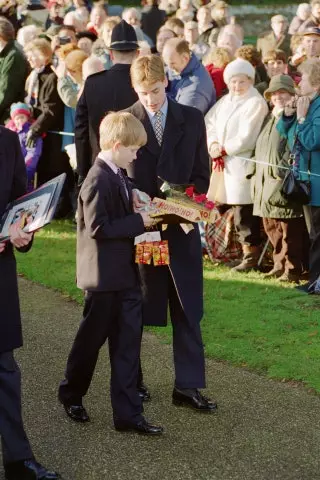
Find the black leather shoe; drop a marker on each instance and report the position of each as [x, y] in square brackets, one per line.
[194, 399]
[144, 393]
[142, 427]
[27, 470]
[76, 412]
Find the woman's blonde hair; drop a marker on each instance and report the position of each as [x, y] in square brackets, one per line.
[121, 127]
[75, 59]
[218, 56]
[42, 46]
[311, 68]
[147, 70]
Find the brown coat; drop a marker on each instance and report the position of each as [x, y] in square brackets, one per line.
[268, 41]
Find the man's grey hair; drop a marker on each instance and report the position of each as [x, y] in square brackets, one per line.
[136, 11]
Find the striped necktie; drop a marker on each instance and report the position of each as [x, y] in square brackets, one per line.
[158, 129]
[123, 182]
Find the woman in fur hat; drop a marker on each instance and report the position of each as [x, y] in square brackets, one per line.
[233, 125]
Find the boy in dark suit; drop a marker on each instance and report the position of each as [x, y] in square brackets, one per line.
[107, 273]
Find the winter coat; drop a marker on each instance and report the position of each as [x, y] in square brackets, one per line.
[267, 180]
[182, 159]
[194, 87]
[295, 24]
[13, 74]
[235, 123]
[308, 134]
[31, 155]
[216, 75]
[311, 22]
[268, 41]
[49, 116]
[13, 182]
[152, 18]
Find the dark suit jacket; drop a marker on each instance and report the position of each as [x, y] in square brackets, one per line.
[182, 159]
[106, 228]
[108, 91]
[13, 184]
[152, 18]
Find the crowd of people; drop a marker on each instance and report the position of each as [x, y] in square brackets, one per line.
[196, 106]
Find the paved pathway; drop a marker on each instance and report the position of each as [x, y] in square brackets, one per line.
[264, 430]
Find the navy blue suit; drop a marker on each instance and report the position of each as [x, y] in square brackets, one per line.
[113, 302]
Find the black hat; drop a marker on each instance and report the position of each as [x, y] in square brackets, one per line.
[87, 34]
[123, 37]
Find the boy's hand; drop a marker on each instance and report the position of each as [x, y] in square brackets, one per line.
[18, 237]
[2, 246]
[140, 199]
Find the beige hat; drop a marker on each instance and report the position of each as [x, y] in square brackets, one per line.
[278, 19]
[238, 67]
[280, 82]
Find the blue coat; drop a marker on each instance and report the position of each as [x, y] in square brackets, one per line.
[308, 134]
[195, 87]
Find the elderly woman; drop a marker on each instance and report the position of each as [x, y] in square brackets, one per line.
[283, 222]
[233, 125]
[300, 124]
[48, 112]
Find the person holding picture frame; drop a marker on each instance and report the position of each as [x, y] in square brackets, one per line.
[18, 459]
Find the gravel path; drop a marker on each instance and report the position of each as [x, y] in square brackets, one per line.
[264, 430]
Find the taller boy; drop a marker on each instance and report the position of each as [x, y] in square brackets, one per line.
[176, 151]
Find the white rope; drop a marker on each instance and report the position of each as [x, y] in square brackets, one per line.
[277, 166]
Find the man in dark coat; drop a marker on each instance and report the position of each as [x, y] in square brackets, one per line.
[152, 18]
[13, 70]
[103, 92]
[176, 151]
[18, 459]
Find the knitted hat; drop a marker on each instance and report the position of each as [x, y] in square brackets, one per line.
[279, 82]
[19, 108]
[238, 67]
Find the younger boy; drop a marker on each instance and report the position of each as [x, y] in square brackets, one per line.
[106, 271]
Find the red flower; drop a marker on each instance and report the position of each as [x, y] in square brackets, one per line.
[190, 192]
[200, 198]
[209, 205]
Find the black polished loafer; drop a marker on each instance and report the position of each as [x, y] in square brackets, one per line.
[142, 427]
[194, 399]
[144, 393]
[76, 412]
[27, 469]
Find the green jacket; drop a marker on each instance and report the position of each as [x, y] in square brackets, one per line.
[13, 74]
[271, 148]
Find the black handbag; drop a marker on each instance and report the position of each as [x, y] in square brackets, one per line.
[295, 190]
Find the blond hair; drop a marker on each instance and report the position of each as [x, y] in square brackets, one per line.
[75, 59]
[147, 70]
[42, 46]
[311, 68]
[121, 127]
[218, 56]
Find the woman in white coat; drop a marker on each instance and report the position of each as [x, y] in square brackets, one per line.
[233, 125]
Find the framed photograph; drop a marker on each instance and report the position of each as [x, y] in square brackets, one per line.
[34, 210]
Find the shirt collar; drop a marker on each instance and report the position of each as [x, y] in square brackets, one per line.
[163, 110]
[105, 155]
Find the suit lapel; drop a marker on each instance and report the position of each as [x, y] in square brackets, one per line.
[173, 131]
[116, 179]
[139, 111]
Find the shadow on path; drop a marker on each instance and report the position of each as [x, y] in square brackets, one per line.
[263, 430]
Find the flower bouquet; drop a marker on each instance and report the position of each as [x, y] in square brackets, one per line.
[183, 205]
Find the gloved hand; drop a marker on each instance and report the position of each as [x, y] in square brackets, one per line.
[31, 139]
[218, 164]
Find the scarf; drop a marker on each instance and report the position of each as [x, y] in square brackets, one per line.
[33, 87]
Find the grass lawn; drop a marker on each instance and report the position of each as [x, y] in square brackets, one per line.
[248, 321]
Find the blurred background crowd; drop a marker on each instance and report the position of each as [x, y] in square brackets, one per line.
[49, 48]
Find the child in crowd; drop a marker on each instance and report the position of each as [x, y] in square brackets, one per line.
[107, 225]
[20, 123]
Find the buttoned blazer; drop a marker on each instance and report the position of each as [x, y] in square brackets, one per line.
[106, 228]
